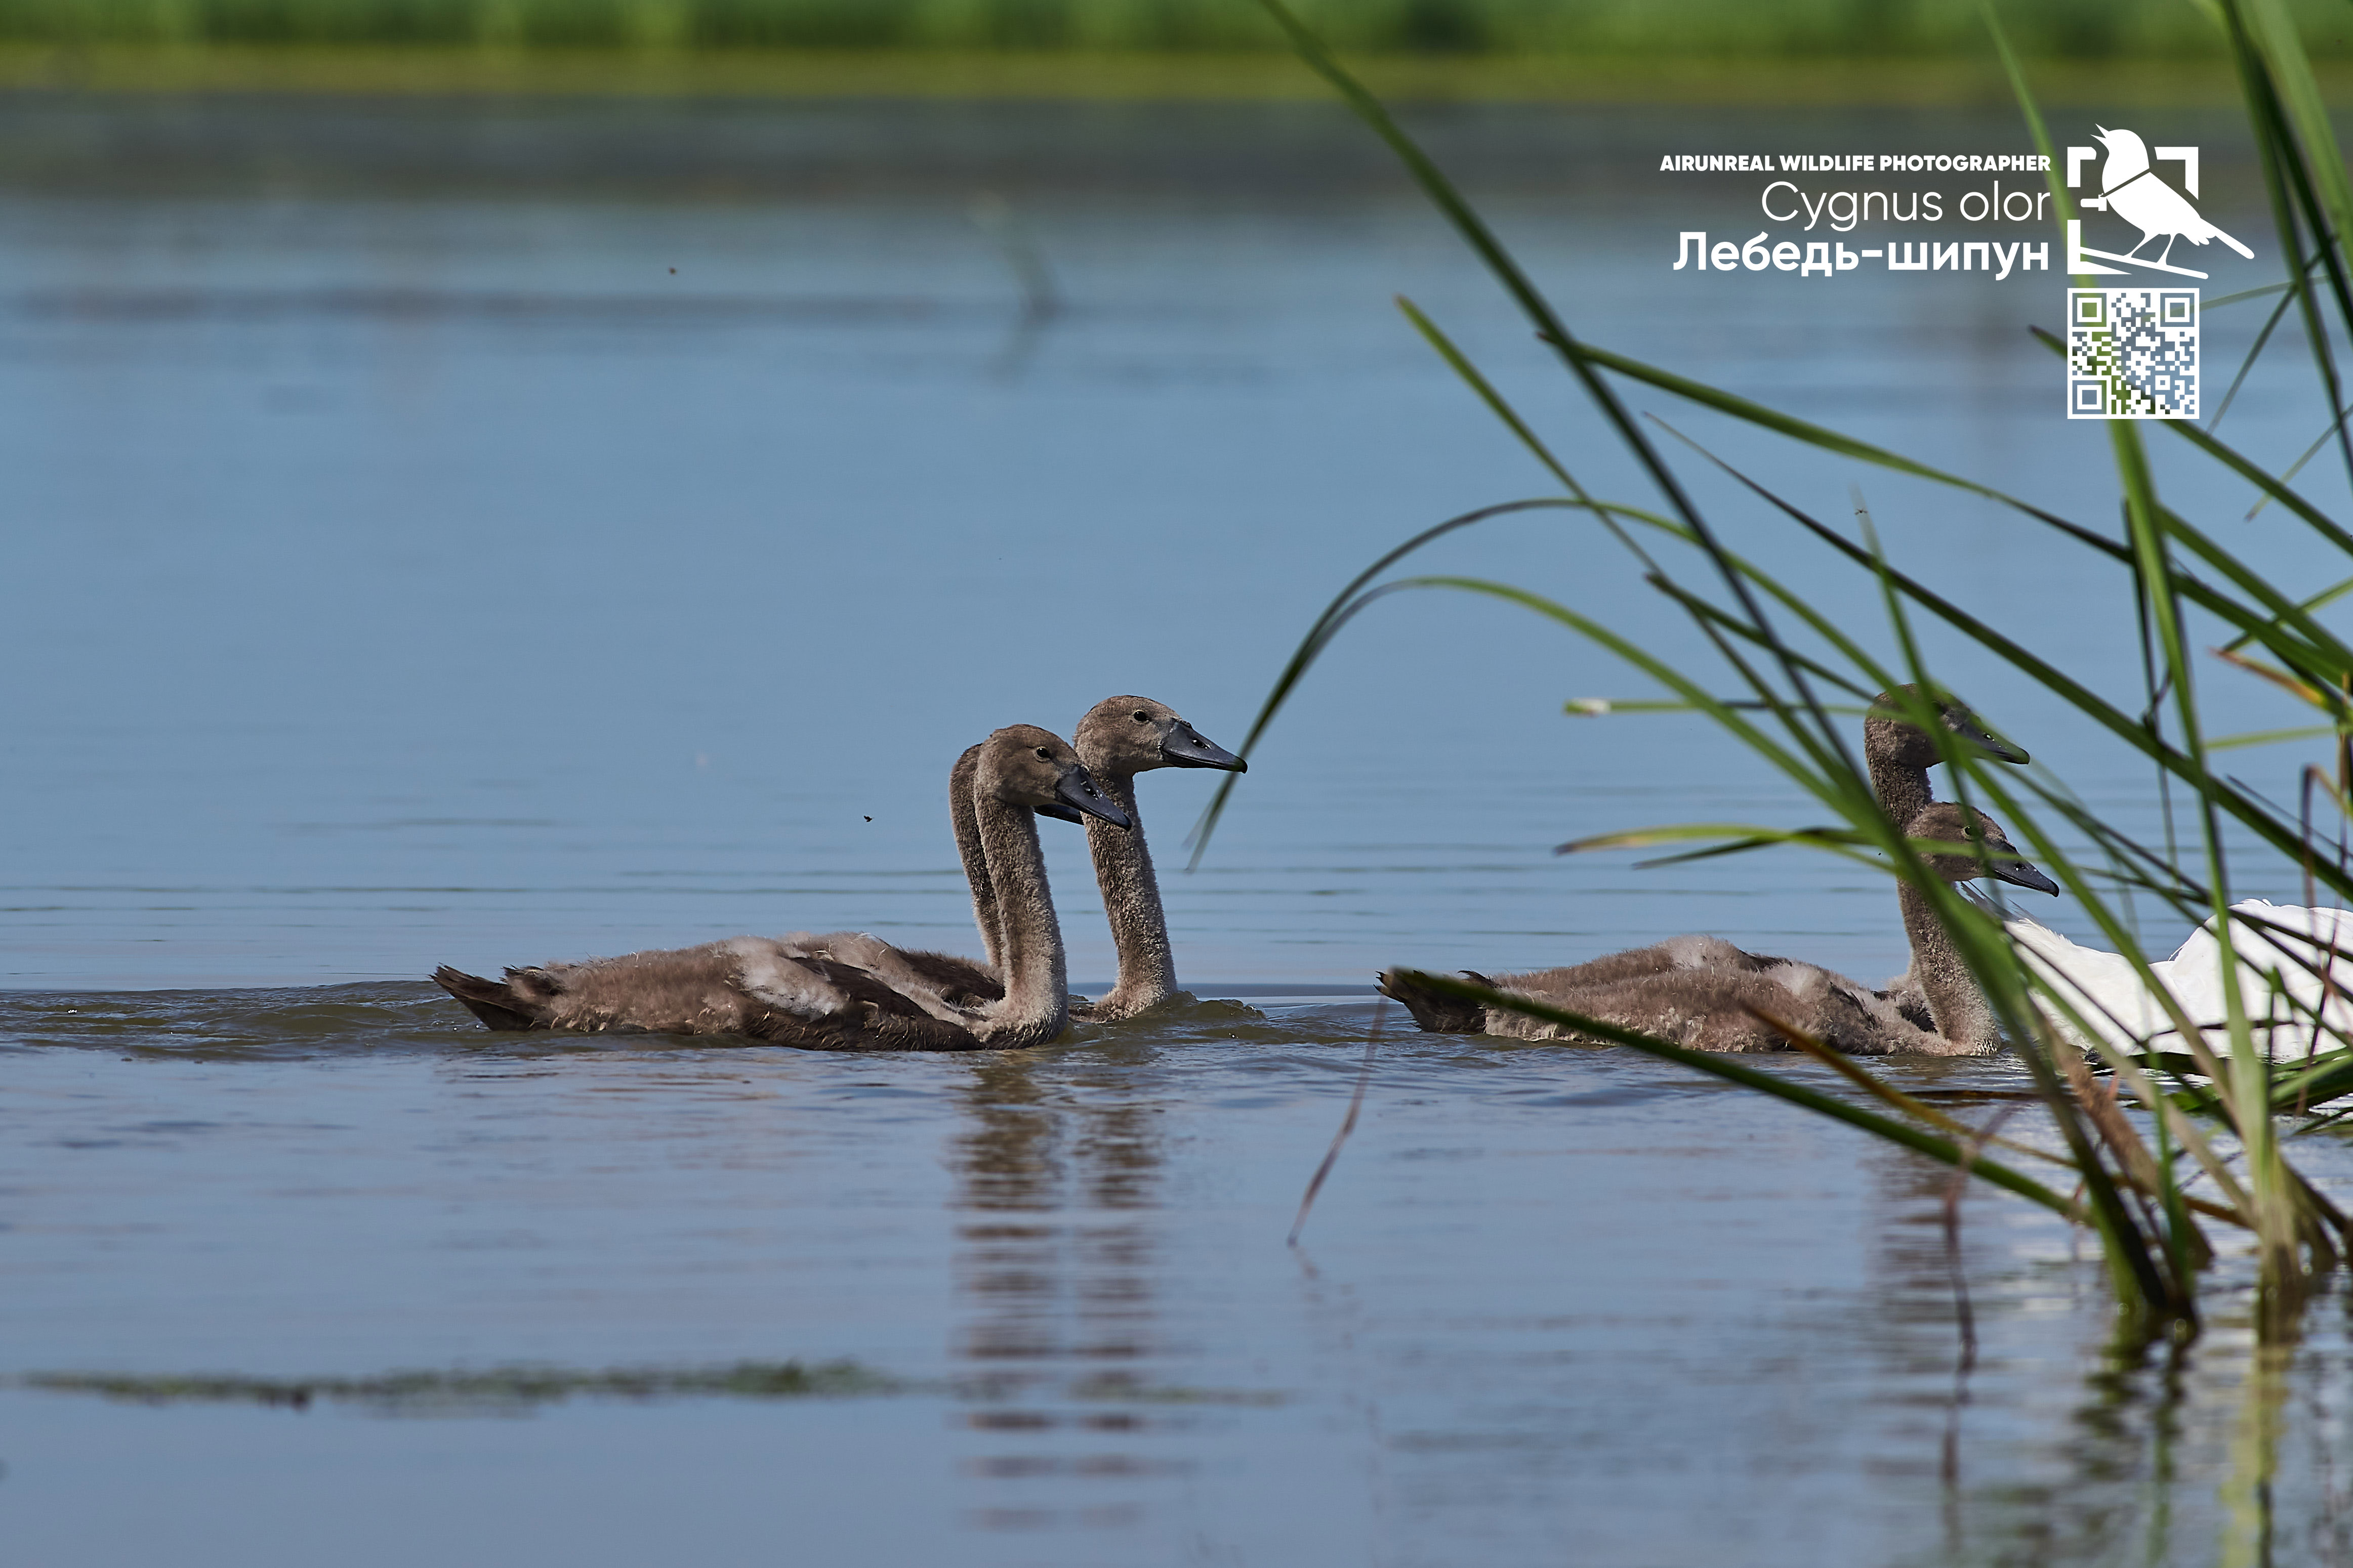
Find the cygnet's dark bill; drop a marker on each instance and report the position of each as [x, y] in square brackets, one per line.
[2019, 874]
[1079, 792]
[1991, 744]
[1182, 747]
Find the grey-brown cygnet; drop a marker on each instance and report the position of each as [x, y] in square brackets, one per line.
[1119, 737]
[846, 992]
[1705, 993]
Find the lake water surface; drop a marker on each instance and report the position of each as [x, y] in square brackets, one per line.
[483, 533]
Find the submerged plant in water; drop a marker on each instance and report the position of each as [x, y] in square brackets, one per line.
[487, 1389]
[2194, 1079]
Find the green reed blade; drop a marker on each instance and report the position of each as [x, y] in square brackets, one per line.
[2271, 324]
[1344, 607]
[1734, 1071]
[1496, 403]
[1532, 303]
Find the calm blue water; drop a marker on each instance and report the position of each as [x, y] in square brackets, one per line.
[421, 577]
[482, 533]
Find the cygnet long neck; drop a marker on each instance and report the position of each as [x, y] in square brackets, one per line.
[1954, 1002]
[1131, 896]
[1036, 1004]
[965, 817]
[1901, 786]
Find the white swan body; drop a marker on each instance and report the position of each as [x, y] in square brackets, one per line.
[2294, 964]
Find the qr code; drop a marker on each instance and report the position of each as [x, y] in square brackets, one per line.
[2132, 353]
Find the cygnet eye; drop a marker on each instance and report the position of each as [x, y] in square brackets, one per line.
[1045, 753]
[1142, 716]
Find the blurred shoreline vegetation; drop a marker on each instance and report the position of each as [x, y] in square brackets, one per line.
[1856, 51]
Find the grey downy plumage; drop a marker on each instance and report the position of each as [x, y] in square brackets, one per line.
[1708, 995]
[848, 990]
[1705, 993]
[1119, 737]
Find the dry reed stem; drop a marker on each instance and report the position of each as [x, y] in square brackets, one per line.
[1347, 1125]
[1963, 1312]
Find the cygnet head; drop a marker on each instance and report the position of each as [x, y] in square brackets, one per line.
[1950, 822]
[1890, 735]
[1024, 766]
[1125, 735]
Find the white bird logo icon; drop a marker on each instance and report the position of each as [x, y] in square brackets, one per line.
[2131, 189]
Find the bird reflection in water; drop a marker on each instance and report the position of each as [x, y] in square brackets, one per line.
[1054, 1281]
[2115, 1480]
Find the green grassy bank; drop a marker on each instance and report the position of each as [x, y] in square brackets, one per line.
[1112, 75]
[2078, 30]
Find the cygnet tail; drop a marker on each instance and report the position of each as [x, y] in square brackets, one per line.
[1436, 1012]
[499, 1005]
